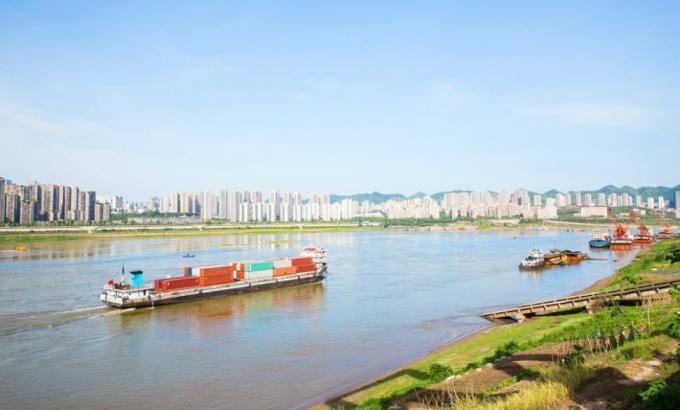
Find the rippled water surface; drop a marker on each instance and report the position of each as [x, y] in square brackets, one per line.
[389, 298]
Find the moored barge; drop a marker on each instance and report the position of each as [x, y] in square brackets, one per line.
[216, 280]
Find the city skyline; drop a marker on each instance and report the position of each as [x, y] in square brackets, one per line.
[47, 203]
[346, 98]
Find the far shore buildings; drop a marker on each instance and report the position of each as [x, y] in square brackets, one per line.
[36, 203]
[45, 203]
[593, 211]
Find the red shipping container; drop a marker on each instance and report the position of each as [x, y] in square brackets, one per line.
[306, 268]
[240, 275]
[222, 270]
[186, 271]
[176, 283]
[215, 280]
[306, 261]
[289, 270]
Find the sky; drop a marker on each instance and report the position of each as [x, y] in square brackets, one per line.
[146, 98]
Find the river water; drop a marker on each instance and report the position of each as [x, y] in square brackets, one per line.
[389, 298]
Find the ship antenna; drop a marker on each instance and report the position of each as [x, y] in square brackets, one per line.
[122, 273]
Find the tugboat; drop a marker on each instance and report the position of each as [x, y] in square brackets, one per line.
[599, 240]
[622, 238]
[644, 234]
[535, 260]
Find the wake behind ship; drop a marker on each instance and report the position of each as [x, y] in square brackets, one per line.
[217, 280]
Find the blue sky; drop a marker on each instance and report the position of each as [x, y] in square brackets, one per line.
[140, 99]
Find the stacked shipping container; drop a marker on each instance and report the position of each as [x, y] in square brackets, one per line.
[166, 285]
[223, 274]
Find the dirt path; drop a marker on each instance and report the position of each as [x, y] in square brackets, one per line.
[612, 387]
[477, 381]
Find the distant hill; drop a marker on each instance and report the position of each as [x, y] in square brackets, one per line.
[373, 197]
[646, 191]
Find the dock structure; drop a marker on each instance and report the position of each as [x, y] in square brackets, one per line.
[580, 301]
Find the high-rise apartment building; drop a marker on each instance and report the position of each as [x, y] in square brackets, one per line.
[662, 202]
[234, 200]
[27, 212]
[86, 205]
[12, 207]
[2, 200]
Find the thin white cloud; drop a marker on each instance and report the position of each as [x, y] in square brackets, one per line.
[20, 121]
[596, 114]
[16, 116]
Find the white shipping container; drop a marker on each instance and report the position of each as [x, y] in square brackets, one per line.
[282, 263]
[259, 274]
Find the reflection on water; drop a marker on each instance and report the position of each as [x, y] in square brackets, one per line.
[389, 298]
[225, 313]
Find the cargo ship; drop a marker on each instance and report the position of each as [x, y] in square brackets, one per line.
[538, 259]
[644, 234]
[622, 238]
[203, 282]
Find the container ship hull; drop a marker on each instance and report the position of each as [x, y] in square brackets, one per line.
[151, 299]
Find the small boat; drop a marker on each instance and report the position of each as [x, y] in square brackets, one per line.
[535, 260]
[188, 255]
[599, 240]
[21, 249]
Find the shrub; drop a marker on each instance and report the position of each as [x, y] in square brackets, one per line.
[673, 254]
[674, 328]
[439, 373]
[507, 349]
[575, 358]
[659, 395]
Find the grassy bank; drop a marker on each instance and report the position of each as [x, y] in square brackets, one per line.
[472, 352]
[653, 264]
[582, 348]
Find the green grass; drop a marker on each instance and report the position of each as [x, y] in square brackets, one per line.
[651, 261]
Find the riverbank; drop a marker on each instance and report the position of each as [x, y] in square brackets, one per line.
[484, 348]
[26, 236]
